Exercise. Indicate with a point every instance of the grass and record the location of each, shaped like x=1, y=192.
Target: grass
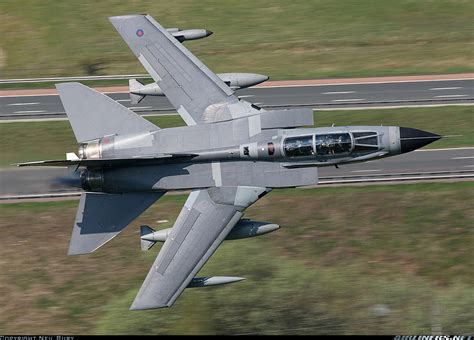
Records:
x=320, y=38
x=376, y=260
x=22, y=142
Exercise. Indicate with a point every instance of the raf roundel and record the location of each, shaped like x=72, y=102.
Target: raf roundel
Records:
x=140, y=33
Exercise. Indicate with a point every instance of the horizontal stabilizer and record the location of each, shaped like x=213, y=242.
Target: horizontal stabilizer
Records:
x=93, y=115
x=100, y=217
x=105, y=162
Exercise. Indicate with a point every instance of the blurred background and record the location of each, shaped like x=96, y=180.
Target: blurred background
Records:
x=301, y=39
x=369, y=259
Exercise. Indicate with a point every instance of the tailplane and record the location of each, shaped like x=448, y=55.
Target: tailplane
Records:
x=100, y=217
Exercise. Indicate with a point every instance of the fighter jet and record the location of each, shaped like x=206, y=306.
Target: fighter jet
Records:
x=230, y=154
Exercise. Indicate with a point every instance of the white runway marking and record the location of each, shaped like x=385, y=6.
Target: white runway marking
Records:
x=15, y=104
x=452, y=96
x=139, y=107
x=341, y=92
x=39, y=111
x=123, y=100
x=366, y=170
x=162, y=221
x=447, y=149
x=355, y=108
x=348, y=100
x=444, y=88
x=466, y=157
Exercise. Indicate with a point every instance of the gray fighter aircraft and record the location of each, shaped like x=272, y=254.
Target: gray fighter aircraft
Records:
x=230, y=154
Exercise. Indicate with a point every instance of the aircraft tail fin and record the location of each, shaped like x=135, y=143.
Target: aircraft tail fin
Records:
x=93, y=115
x=133, y=87
x=100, y=217
x=144, y=243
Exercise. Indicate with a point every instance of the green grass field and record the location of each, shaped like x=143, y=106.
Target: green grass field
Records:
x=22, y=142
x=388, y=259
x=286, y=40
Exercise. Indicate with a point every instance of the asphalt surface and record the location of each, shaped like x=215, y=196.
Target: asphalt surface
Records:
x=417, y=165
x=404, y=93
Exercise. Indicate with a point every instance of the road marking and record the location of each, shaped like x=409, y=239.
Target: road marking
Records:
x=366, y=170
x=466, y=157
x=15, y=104
x=446, y=149
x=468, y=166
x=340, y=92
x=348, y=100
x=452, y=96
x=393, y=179
x=39, y=111
x=445, y=88
x=123, y=100
x=139, y=107
x=247, y=96
x=355, y=108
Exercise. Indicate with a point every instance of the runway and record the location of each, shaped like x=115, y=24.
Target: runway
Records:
x=438, y=164
x=419, y=165
x=319, y=97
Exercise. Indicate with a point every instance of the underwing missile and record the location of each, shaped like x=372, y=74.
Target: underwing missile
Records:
x=213, y=281
x=190, y=34
x=235, y=81
x=243, y=229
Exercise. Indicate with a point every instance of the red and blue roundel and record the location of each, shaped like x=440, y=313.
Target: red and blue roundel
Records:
x=140, y=33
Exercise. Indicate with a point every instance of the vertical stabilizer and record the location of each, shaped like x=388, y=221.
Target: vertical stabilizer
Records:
x=93, y=115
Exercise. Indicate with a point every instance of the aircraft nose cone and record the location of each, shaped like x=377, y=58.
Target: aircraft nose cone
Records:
x=412, y=139
x=208, y=33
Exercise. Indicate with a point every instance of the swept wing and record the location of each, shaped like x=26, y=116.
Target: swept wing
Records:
x=196, y=92
x=204, y=222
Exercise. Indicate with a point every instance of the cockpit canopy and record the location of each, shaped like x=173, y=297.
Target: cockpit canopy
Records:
x=328, y=144
x=365, y=141
x=299, y=146
x=333, y=143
